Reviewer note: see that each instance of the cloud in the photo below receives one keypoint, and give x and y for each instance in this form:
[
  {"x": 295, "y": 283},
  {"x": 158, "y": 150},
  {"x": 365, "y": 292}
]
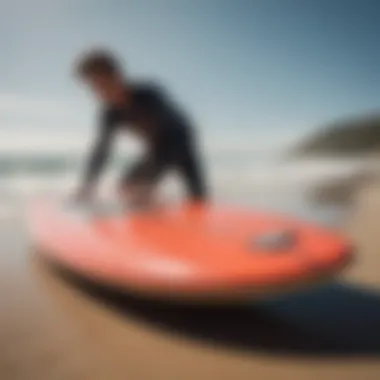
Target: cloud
[
  {"x": 229, "y": 142},
  {"x": 15, "y": 103},
  {"x": 57, "y": 140},
  {"x": 27, "y": 112}
]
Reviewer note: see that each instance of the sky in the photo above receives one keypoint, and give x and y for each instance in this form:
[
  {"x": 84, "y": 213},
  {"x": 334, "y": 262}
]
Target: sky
[{"x": 249, "y": 71}]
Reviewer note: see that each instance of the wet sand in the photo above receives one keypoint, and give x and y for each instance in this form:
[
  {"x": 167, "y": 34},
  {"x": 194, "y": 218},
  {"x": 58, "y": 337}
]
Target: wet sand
[{"x": 54, "y": 327}]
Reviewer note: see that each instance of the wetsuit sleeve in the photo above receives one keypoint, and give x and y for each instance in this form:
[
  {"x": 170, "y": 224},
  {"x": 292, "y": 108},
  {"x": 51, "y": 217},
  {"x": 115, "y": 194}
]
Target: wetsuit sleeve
[{"x": 100, "y": 150}]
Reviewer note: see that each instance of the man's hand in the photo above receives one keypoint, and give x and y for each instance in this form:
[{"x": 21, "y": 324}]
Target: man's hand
[{"x": 84, "y": 194}]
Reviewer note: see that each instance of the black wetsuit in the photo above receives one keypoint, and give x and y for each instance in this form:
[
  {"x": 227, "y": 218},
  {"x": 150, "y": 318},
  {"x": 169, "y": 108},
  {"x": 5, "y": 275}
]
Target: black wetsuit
[{"x": 166, "y": 131}]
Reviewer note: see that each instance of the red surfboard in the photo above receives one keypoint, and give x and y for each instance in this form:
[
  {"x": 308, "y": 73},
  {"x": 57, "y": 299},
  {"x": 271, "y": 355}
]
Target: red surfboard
[{"x": 189, "y": 250}]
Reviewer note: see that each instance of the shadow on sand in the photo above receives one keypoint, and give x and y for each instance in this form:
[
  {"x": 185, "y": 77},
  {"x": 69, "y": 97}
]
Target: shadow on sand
[{"x": 330, "y": 321}]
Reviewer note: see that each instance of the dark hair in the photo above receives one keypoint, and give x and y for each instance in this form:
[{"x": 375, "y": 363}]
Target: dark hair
[{"x": 97, "y": 62}]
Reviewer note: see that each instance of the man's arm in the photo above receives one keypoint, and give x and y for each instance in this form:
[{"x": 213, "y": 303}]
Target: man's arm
[{"x": 100, "y": 152}]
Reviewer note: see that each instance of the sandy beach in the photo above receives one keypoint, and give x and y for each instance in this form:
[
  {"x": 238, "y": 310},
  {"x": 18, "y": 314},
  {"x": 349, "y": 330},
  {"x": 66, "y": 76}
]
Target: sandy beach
[{"x": 52, "y": 328}]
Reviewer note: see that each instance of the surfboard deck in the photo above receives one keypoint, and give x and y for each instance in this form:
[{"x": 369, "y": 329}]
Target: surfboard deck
[{"x": 188, "y": 251}]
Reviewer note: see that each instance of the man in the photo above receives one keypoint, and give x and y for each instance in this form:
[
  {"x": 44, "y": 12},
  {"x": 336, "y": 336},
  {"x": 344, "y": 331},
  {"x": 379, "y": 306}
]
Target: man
[{"x": 144, "y": 110}]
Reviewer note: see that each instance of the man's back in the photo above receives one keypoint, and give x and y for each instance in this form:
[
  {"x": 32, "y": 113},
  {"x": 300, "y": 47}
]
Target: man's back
[{"x": 149, "y": 112}]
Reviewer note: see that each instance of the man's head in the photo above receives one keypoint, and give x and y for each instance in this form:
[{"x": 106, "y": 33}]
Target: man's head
[{"x": 102, "y": 72}]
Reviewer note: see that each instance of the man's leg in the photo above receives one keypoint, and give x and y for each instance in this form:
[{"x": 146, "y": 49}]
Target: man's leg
[
  {"x": 175, "y": 151},
  {"x": 193, "y": 176},
  {"x": 138, "y": 184},
  {"x": 189, "y": 165}
]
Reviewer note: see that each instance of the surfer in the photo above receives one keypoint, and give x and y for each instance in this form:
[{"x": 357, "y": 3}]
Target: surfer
[{"x": 146, "y": 110}]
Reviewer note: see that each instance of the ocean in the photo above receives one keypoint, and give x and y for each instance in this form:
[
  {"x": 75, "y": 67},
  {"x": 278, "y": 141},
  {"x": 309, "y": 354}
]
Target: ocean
[{"x": 246, "y": 177}]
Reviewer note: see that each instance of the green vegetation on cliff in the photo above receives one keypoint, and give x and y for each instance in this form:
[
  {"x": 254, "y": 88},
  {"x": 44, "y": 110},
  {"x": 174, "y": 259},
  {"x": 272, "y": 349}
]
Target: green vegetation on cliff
[{"x": 353, "y": 137}]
